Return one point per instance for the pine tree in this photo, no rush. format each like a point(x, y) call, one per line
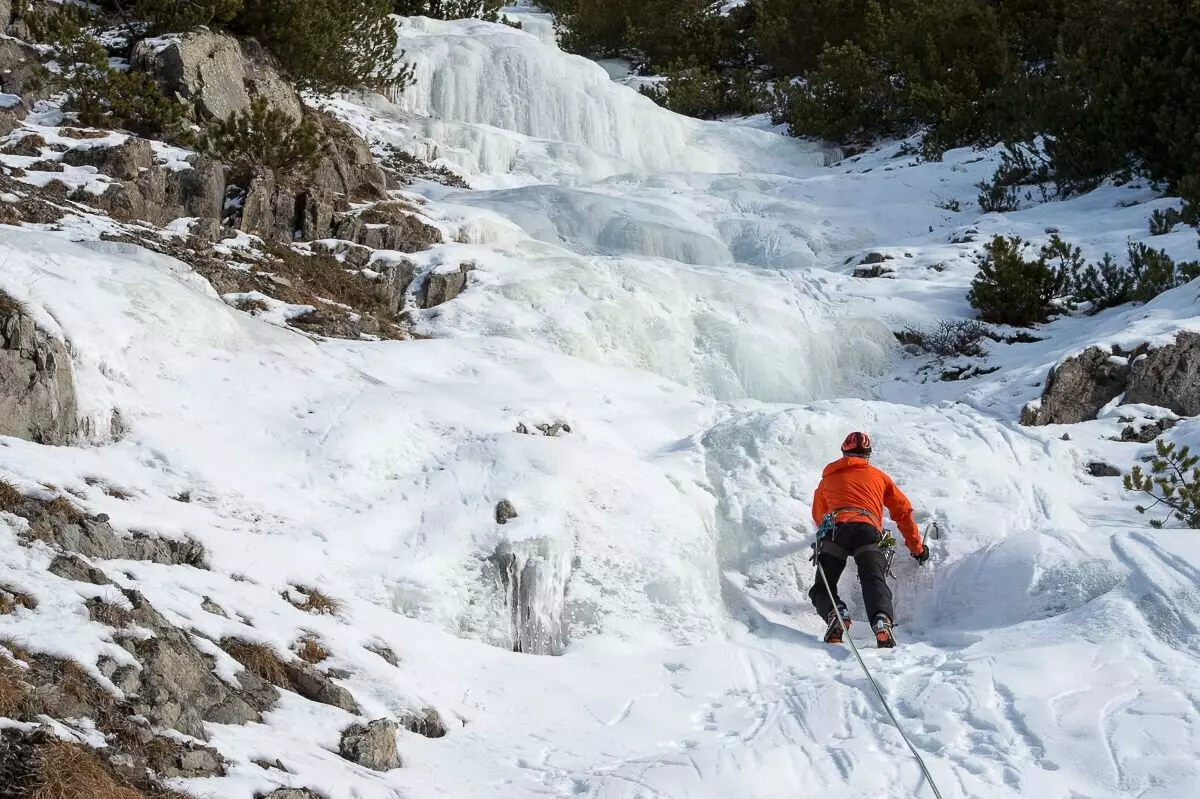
point(1011, 290)
point(265, 137)
point(1174, 481)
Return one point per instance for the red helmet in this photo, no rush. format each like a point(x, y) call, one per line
point(858, 445)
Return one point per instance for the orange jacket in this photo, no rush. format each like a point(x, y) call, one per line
point(855, 483)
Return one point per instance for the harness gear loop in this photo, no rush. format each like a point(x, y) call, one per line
point(826, 546)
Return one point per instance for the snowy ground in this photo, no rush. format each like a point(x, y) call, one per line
point(679, 293)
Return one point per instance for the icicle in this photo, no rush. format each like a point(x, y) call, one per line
point(533, 578)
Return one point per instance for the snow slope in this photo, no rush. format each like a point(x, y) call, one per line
point(677, 292)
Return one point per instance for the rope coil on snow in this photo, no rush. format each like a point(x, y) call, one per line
point(878, 691)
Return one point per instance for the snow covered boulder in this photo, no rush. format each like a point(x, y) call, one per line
point(1078, 388)
point(1166, 377)
point(37, 392)
point(125, 161)
point(442, 286)
point(217, 72)
point(372, 745)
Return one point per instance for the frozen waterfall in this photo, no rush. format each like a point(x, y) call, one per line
point(496, 99)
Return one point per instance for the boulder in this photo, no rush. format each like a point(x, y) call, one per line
point(124, 161)
point(37, 391)
point(427, 723)
point(440, 287)
point(372, 745)
point(505, 511)
point(317, 687)
point(1078, 388)
point(217, 72)
point(389, 226)
point(1168, 377)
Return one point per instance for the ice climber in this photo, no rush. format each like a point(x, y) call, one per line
point(848, 509)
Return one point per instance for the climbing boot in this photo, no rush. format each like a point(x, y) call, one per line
point(834, 632)
point(883, 632)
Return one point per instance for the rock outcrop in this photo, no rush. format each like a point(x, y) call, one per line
point(1078, 388)
point(284, 213)
point(219, 74)
point(372, 745)
point(37, 391)
point(61, 524)
point(440, 287)
point(20, 67)
point(157, 194)
point(1166, 377)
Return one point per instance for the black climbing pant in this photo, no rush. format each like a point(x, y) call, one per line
point(877, 595)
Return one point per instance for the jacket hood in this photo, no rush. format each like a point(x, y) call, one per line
point(844, 464)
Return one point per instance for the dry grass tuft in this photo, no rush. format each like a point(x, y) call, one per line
point(109, 613)
point(71, 678)
point(310, 650)
point(77, 133)
point(17, 651)
point(315, 602)
point(10, 304)
point(259, 659)
point(253, 305)
point(10, 497)
point(62, 506)
point(11, 599)
point(73, 771)
point(16, 699)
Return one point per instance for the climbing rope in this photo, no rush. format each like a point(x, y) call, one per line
point(878, 691)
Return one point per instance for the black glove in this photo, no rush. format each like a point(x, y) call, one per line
point(923, 555)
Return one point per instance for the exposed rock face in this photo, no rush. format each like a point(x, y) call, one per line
point(317, 687)
point(37, 392)
point(176, 686)
point(283, 213)
point(372, 745)
point(156, 194)
point(125, 161)
point(19, 65)
point(442, 287)
point(1078, 388)
point(62, 525)
point(428, 723)
point(347, 166)
point(1167, 377)
point(219, 73)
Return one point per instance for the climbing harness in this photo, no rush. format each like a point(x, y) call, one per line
point(878, 691)
point(825, 544)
